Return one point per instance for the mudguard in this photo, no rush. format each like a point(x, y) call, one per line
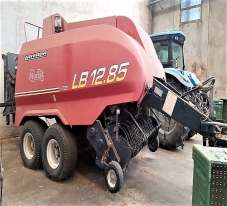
point(186, 78)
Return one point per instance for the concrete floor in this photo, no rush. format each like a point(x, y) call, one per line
point(160, 178)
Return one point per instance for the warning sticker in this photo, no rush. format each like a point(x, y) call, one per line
point(170, 103)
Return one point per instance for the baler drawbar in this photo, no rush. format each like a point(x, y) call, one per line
point(163, 98)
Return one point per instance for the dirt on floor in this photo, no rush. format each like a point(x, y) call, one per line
point(161, 178)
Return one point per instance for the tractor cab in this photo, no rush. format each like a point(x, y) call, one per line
point(169, 48)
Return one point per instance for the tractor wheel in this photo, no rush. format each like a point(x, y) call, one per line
point(191, 133)
point(114, 176)
point(174, 131)
point(59, 152)
point(31, 136)
point(153, 144)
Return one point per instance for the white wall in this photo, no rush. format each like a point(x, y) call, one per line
point(15, 13)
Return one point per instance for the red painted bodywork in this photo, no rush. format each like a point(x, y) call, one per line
point(84, 46)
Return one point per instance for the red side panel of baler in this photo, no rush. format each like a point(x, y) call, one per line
point(152, 65)
point(83, 71)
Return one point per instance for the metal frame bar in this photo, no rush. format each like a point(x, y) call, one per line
point(32, 25)
point(7, 104)
point(154, 2)
point(182, 110)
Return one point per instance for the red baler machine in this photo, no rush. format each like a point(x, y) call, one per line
point(97, 79)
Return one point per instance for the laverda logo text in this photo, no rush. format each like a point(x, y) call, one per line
point(35, 56)
point(39, 75)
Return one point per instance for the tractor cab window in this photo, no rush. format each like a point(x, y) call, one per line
point(162, 51)
point(177, 55)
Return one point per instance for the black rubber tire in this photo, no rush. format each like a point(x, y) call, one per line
point(68, 152)
point(174, 137)
point(153, 145)
point(116, 167)
point(37, 129)
point(191, 133)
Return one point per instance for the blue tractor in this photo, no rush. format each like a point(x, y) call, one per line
point(169, 48)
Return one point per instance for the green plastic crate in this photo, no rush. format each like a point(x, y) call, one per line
point(218, 108)
point(210, 176)
point(224, 116)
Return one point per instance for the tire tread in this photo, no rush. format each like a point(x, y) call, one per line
point(38, 128)
point(117, 168)
point(69, 157)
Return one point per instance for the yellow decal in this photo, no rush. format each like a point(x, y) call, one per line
point(116, 74)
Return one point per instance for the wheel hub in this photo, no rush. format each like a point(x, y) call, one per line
point(168, 126)
point(28, 145)
point(57, 152)
point(53, 153)
point(32, 145)
point(112, 178)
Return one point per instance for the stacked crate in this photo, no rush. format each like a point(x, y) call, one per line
point(210, 176)
point(224, 116)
